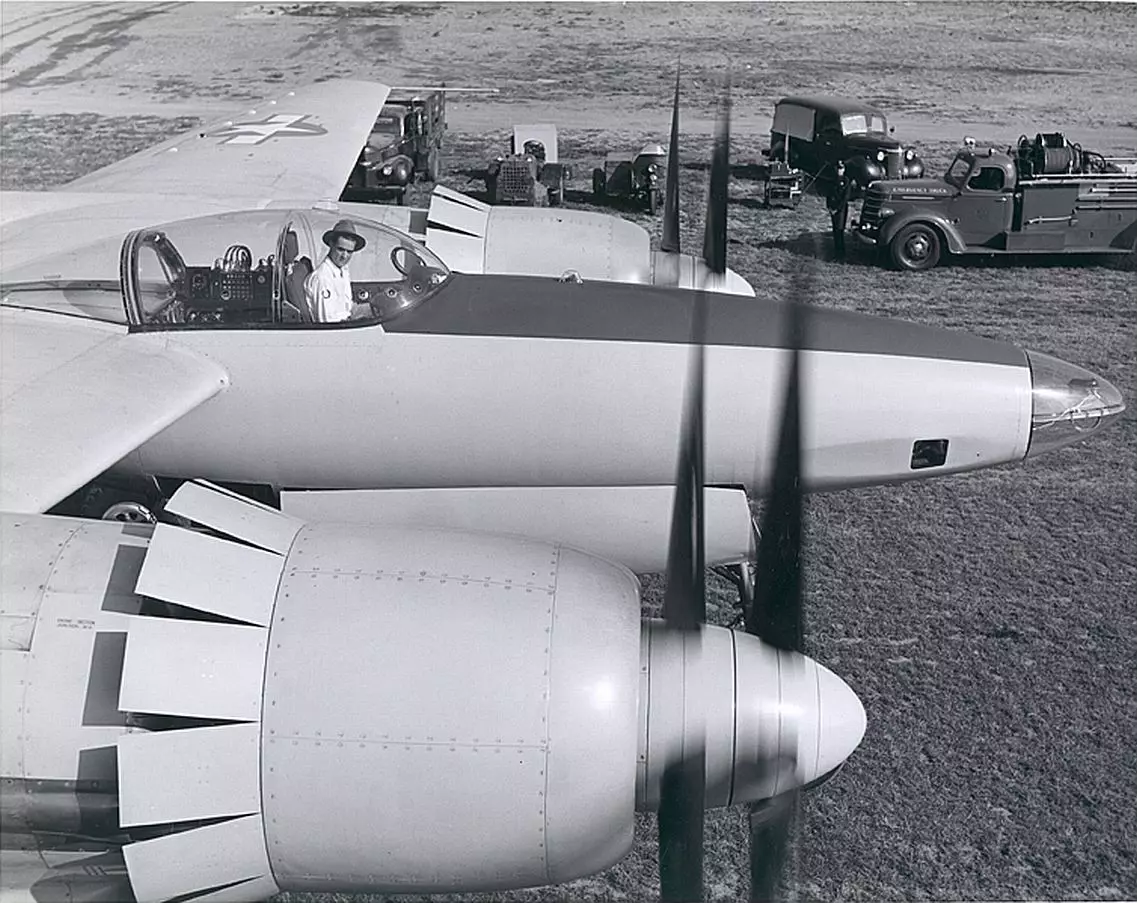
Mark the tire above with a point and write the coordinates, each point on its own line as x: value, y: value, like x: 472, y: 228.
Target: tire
x: 653, y: 201
x: 125, y: 506
x: 556, y: 196
x: 915, y: 247
x: 401, y: 198
x: 599, y: 185
x: 433, y: 164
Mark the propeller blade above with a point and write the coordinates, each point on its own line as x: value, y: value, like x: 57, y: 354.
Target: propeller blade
x: 684, y: 600
x: 670, y: 240
x: 714, y: 238
x: 776, y: 615
x: 682, y: 794
x: 771, y: 822
x: 683, y: 788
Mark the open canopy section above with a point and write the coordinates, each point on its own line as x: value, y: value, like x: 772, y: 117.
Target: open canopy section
x: 248, y: 270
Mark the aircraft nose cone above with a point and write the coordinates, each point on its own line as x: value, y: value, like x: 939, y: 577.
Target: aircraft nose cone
x: 1068, y: 402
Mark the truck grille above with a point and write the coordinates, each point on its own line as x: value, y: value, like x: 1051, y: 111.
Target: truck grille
x: 893, y: 163
x: 870, y: 209
x: 515, y: 179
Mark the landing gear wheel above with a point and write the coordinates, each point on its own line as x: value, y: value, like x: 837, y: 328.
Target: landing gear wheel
x: 114, y: 504
x: 915, y: 247
x: 129, y: 513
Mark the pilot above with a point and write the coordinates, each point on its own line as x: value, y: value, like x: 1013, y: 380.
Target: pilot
x: 327, y: 291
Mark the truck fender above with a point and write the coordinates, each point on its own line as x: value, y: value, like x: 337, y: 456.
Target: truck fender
x: 862, y: 170
x: 952, y: 239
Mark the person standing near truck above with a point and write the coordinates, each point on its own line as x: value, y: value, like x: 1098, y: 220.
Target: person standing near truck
x: 837, y: 200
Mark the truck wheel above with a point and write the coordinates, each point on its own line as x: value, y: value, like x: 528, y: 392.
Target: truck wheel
x: 401, y: 198
x: 556, y: 196
x: 599, y: 188
x: 433, y: 165
x: 653, y: 201
x: 915, y: 247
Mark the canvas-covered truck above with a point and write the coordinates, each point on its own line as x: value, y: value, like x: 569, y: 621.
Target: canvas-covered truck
x: 1045, y: 196
x: 816, y: 132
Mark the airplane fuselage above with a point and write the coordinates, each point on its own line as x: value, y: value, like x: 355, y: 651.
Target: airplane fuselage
x: 500, y: 381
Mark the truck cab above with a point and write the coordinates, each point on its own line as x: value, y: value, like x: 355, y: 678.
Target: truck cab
x: 993, y: 202
x: 405, y: 144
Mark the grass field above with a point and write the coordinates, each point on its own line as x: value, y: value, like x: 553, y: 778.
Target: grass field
x: 987, y: 621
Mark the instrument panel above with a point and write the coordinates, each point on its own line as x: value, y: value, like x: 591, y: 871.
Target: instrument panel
x: 219, y: 294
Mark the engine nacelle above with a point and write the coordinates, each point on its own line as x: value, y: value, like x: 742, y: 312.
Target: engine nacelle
x: 471, y: 723
x: 473, y: 237
x: 344, y: 707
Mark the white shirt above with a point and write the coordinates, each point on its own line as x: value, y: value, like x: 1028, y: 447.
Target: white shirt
x: 327, y: 292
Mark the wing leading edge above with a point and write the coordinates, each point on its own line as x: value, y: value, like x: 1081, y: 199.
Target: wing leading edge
x: 77, y: 396
x: 301, y: 145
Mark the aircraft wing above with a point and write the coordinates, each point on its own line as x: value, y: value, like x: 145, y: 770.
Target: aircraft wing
x: 77, y: 395
x: 301, y: 145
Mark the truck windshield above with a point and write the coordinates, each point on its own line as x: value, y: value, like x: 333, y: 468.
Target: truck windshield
x: 862, y: 123
x: 957, y: 172
x: 388, y: 125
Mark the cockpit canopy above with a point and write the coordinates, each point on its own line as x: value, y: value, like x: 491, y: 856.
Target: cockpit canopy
x: 248, y: 269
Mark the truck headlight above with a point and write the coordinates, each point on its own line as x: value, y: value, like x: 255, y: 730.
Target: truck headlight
x: 880, y: 156
x: 387, y: 169
x: 909, y: 155
x: 885, y: 212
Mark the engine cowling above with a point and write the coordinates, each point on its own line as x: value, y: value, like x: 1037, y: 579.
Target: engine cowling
x: 340, y: 707
x: 491, y: 682
x: 473, y: 237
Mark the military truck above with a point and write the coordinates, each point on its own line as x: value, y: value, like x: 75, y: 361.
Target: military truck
x: 1045, y: 196
x: 405, y: 144
x: 531, y: 173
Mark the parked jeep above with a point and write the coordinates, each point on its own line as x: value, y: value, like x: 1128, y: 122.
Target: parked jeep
x: 640, y: 178
x: 531, y: 173
x: 816, y: 132
x: 405, y: 143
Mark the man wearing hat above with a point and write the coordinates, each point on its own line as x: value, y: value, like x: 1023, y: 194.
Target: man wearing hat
x: 327, y: 291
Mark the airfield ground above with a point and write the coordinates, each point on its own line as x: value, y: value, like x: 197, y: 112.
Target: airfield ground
x: 988, y: 620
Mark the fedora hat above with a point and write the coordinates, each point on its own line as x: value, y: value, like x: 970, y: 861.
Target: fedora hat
x: 346, y: 228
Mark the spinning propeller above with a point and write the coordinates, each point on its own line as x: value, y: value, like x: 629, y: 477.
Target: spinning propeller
x: 776, y: 615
